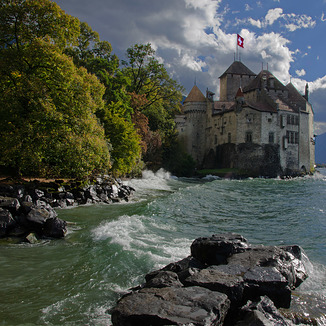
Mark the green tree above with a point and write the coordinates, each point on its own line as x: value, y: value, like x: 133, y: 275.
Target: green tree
x: 116, y: 117
x: 47, y: 108
x: 150, y: 78
x: 160, y: 94
x: 126, y: 150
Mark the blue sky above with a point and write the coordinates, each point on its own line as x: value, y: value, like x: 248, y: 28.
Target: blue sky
x: 196, y: 39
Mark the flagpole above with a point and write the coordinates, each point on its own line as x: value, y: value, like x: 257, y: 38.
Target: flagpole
x: 237, y: 48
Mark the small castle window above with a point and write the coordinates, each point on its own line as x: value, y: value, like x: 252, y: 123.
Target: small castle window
x: 296, y: 121
x: 248, y: 137
x: 215, y: 140
x: 271, y: 137
x: 229, y: 137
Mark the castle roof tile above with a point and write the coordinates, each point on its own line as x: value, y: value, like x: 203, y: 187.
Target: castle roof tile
x: 238, y: 68
x: 195, y: 95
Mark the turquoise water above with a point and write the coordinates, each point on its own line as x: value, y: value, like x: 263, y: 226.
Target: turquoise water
x: 109, y: 248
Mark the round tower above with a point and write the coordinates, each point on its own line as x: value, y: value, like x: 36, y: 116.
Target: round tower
x: 194, y: 107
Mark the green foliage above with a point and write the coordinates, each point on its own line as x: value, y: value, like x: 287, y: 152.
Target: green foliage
x: 22, y: 21
x: 65, y: 100
x: 125, y: 143
x: 160, y: 94
x: 47, y: 108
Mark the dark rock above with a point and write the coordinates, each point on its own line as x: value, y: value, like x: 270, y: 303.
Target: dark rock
x: 299, y: 273
x: 164, y: 279
x: 12, y: 204
x: 69, y: 195
x: 261, y: 281
x: 215, y: 280
x: 70, y: 202
x: 264, y: 275
x: 284, y: 261
x: 37, y: 217
x: 183, y: 268
x: 26, y: 207
x: 7, y: 223
x: 103, y: 197
x: 261, y: 313
x: 54, y: 228
x: 38, y: 194
x: 28, y: 198
x: 19, y: 192
x: 216, y: 249
x: 90, y: 192
x: 171, y: 306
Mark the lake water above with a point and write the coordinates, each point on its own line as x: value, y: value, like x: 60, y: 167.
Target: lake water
x: 109, y: 248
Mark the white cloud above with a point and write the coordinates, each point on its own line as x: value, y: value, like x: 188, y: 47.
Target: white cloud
x: 294, y: 22
x: 273, y: 46
x: 192, y: 63
x: 300, y: 73
x: 273, y: 15
x: 323, y: 17
x: 318, y: 84
x: 319, y: 128
x: 256, y: 23
x: 247, y: 7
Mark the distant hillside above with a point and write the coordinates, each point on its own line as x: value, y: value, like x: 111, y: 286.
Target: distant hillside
x: 321, y: 148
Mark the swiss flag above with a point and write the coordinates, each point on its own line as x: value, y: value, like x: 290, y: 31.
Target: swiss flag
x: 240, y: 40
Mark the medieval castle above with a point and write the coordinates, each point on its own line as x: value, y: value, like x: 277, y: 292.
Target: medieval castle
x: 258, y: 125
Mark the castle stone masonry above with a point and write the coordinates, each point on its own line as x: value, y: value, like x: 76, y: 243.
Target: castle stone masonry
x: 259, y: 125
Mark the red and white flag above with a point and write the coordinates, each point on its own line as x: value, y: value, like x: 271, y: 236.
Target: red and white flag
x: 240, y: 40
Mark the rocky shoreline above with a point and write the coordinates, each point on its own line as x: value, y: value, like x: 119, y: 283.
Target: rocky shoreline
x: 225, y: 281
x: 27, y: 209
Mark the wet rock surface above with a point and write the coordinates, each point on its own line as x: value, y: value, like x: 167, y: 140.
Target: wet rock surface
x: 251, y: 283
x: 27, y: 209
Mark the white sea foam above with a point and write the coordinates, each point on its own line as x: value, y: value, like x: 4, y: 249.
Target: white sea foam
x: 140, y: 235
x: 150, y: 180
x: 211, y: 177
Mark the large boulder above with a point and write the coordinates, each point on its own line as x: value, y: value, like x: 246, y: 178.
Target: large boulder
x: 171, y: 306
x: 216, y: 249
x: 10, y: 203
x: 7, y: 223
x: 54, y: 227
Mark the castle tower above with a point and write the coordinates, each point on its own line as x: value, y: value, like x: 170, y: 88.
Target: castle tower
x: 237, y: 75
x: 194, y: 108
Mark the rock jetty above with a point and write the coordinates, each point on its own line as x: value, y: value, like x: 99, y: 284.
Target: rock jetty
x: 27, y: 209
x: 225, y: 281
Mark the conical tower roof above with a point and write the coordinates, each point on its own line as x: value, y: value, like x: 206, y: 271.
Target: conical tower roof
x: 195, y: 95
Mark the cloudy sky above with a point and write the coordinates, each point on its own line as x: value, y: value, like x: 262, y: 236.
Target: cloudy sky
x: 196, y: 39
